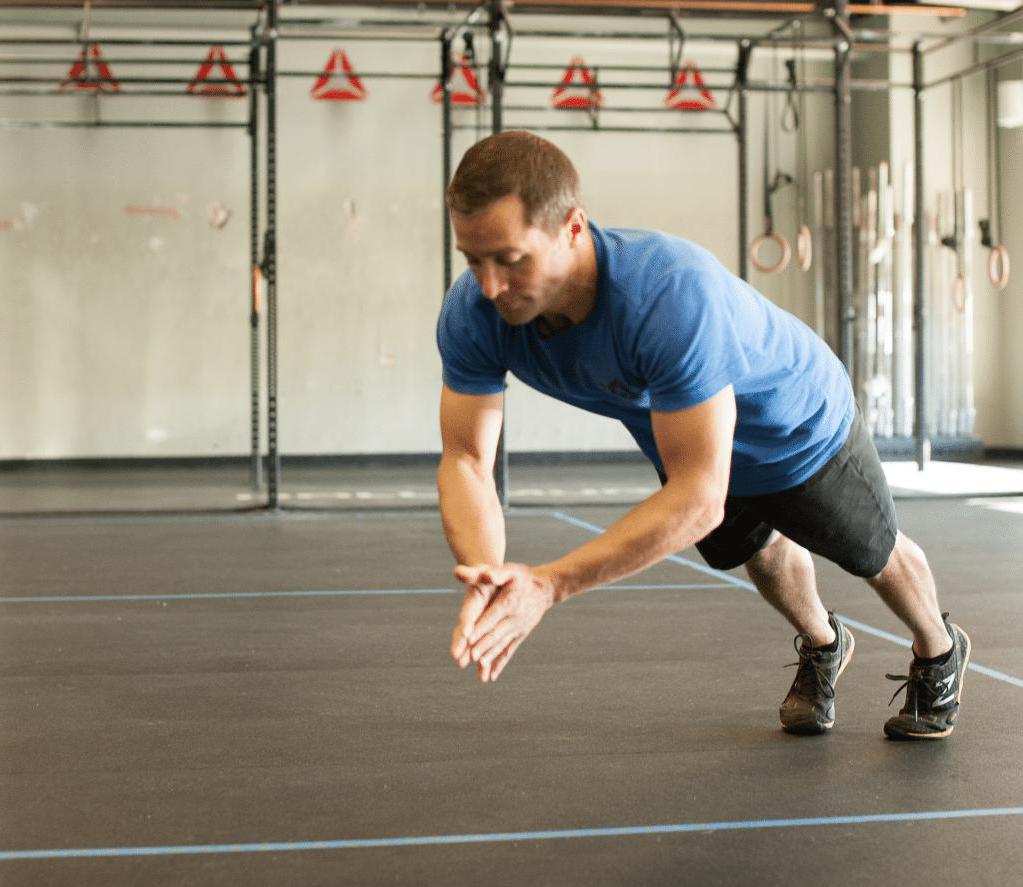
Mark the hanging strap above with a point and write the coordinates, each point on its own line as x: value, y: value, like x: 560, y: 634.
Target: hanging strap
x: 998, y: 258
x: 790, y: 116
x: 770, y: 187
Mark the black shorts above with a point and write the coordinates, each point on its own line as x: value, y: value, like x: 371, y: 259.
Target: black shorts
x: 844, y: 513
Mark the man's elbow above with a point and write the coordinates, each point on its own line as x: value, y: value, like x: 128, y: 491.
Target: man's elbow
x: 714, y: 512
x: 705, y: 502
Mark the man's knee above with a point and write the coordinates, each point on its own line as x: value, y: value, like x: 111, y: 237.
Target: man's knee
x: 769, y: 555
x: 905, y: 555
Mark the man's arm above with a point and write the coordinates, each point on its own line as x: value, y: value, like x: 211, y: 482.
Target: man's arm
x: 470, y: 510
x: 473, y: 521
x: 695, y: 445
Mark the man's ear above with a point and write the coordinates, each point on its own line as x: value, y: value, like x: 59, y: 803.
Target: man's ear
x: 576, y: 221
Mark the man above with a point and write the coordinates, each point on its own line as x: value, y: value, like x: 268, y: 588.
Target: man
x: 748, y: 417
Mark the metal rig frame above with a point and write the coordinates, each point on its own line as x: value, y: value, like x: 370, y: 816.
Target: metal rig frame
x: 258, y: 45
x: 491, y: 17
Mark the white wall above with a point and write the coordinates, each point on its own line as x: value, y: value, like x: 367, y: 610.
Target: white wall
x: 127, y: 335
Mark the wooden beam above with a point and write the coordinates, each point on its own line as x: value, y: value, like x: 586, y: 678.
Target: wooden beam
x: 908, y: 9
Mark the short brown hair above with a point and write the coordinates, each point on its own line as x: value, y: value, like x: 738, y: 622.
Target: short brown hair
x: 521, y: 164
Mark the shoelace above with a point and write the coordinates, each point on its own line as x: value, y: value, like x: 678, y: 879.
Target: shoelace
x: 918, y: 682
x: 819, y: 672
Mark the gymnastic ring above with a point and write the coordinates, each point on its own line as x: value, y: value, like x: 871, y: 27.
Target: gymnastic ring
x: 257, y: 280
x: 786, y: 252
x: 998, y: 267
x: 959, y: 293
x: 804, y: 248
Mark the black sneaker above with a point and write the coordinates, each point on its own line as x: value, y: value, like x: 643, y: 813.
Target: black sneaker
x: 932, y: 693
x: 810, y: 705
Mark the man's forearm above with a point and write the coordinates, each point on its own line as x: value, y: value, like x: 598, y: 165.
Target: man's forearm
x: 471, y: 512
x: 672, y: 519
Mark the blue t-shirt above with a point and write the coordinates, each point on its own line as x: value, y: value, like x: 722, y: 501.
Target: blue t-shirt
x: 670, y: 328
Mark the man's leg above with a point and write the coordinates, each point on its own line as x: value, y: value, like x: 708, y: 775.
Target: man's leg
x: 934, y: 685
x: 907, y: 587
x: 783, y: 573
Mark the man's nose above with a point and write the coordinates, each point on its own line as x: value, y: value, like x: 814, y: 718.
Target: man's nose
x: 492, y: 282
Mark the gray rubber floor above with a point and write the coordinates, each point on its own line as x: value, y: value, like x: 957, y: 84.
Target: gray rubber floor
x: 177, y: 706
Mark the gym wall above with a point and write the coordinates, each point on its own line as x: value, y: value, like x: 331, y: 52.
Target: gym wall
x: 126, y: 332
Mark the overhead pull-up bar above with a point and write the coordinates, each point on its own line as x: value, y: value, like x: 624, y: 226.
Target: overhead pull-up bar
x: 747, y: 7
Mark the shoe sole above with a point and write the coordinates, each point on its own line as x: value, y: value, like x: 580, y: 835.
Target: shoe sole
x: 817, y: 728
x: 962, y: 683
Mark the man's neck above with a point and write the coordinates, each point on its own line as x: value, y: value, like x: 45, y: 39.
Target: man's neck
x: 580, y: 293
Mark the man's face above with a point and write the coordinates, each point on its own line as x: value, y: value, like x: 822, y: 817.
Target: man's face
x: 520, y: 268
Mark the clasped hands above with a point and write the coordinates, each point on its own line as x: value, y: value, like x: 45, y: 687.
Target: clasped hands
x: 503, y: 604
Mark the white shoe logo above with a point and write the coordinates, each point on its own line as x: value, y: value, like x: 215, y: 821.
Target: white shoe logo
x: 948, y: 686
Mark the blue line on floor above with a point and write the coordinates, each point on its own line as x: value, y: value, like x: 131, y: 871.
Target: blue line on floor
x: 505, y: 837
x: 203, y: 596
x: 660, y: 587
x: 997, y: 675
x: 206, y: 596
x: 749, y: 586
x: 674, y: 558
x: 905, y: 642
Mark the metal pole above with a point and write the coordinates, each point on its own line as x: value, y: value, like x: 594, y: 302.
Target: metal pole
x: 255, y: 463
x: 843, y: 181
x: 671, y: 130
x: 270, y: 255
x: 113, y: 124
x: 496, y: 124
x: 445, y: 79
x: 496, y: 66
x: 921, y: 434
x: 742, y: 76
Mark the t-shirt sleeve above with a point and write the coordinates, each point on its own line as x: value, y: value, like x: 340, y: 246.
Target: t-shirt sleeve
x: 689, y: 347
x: 469, y: 345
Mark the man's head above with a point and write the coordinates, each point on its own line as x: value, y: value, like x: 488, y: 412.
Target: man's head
x: 517, y: 217
x: 516, y: 164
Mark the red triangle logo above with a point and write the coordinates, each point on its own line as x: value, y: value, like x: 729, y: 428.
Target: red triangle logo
x: 465, y: 87
x: 578, y: 88
x: 338, y: 82
x: 216, y: 58
x: 79, y: 73
x: 689, y: 98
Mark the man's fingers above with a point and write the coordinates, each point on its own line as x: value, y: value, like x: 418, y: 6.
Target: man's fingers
x: 483, y: 574
x: 497, y: 666
x: 467, y: 574
x: 492, y: 642
x: 466, y: 620
x: 476, y: 600
x: 459, y: 643
x: 487, y: 622
x: 472, y: 575
x: 496, y: 575
x: 475, y: 603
